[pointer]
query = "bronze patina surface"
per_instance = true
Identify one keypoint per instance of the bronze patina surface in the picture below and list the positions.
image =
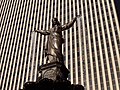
(55, 40)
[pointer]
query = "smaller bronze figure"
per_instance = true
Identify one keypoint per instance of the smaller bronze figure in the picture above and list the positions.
(55, 40)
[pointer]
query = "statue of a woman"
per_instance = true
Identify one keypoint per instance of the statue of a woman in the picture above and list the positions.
(55, 40)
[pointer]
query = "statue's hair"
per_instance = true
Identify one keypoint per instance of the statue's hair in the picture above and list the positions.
(58, 23)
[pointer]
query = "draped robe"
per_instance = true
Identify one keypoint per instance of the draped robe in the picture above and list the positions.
(54, 46)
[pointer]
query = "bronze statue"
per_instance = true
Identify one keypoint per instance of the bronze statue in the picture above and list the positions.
(53, 75)
(55, 40)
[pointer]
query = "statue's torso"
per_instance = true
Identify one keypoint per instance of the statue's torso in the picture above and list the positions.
(56, 32)
(56, 29)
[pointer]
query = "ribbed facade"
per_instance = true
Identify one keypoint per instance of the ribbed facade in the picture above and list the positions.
(91, 49)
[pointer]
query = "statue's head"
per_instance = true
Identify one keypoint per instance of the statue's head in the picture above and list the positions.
(55, 22)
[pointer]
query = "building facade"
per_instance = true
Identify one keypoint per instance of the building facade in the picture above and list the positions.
(91, 50)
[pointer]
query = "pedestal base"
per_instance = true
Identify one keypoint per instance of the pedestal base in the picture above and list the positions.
(54, 71)
(48, 84)
(53, 76)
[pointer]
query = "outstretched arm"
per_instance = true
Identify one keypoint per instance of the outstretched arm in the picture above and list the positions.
(68, 25)
(43, 32)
